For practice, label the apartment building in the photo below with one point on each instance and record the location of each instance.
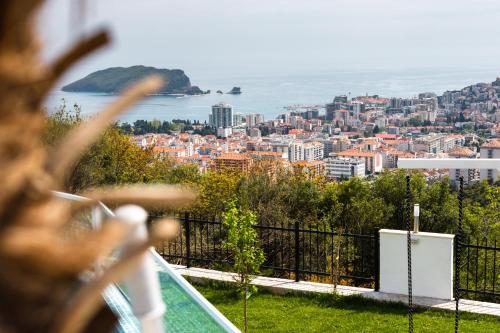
(469, 175)
(490, 149)
(221, 116)
(254, 119)
(313, 151)
(309, 168)
(344, 167)
(373, 160)
(296, 151)
(232, 162)
(305, 151)
(429, 144)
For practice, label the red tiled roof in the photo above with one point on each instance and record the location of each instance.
(233, 156)
(356, 153)
(492, 144)
(461, 151)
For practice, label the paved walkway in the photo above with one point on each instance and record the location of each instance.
(283, 286)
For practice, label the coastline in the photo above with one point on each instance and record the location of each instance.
(268, 95)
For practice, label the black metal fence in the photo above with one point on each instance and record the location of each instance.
(479, 270)
(299, 252)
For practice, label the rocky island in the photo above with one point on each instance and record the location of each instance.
(114, 80)
(235, 91)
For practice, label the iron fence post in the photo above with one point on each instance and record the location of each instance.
(458, 239)
(187, 229)
(408, 246)
(376, 235)
(297, 251)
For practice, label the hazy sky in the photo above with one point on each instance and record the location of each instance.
(258, 37)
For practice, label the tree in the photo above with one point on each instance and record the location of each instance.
(247, 256)
(113, 159)
(482, 213)
(186, 174)
(216, 191)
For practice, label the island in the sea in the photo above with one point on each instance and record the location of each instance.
(116, 79)
(235, 91)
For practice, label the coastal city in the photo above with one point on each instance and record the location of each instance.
(249, 166)
(349, 137)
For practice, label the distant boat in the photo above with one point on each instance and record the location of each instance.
(235, 91)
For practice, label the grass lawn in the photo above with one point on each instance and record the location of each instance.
(331, 313)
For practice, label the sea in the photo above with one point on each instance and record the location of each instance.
(270, 94)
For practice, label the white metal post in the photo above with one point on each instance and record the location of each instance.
(142, 284)
(416, 214)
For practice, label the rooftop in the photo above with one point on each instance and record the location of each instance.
(356, 153)
(232, 156)
(492, 144)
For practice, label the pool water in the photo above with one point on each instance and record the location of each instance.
(187, 310)
(183, 313)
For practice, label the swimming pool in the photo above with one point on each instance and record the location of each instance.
(187, 309)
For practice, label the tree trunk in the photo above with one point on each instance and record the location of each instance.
(245, 319)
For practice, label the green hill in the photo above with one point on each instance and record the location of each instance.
(115, 79)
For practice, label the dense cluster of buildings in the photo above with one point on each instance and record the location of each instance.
(349, 137)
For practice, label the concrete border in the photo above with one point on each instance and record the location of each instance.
(285, 286)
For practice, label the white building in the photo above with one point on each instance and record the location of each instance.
(430, 144)
(296, 151)
(381, 122)
(308, 151)
(357, 109)
(224, 132)
(254, 119)
(255, 133)
(490, 150)
(469, 175)
(238, 119)
(313, 151)
(344, 167)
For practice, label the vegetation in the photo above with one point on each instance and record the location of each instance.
(277, 196)
(247, 256)
(140, 127)
(333, 313)
(114, 159)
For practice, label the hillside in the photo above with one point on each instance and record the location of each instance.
(115, 79)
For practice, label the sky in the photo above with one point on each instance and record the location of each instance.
(278, 37)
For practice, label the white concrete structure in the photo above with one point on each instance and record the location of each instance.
(469, 175)
(308, 151)
(296, 151)
(255, 132)
(238, 119)
(254, 119)
(490, 150)
(344, 167)
(142, 283)
(285, 286)
(313, 151)
(448, 163)
(224, 132)
(432, 263)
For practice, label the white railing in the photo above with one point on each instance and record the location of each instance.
(449, 163)
(142, 283)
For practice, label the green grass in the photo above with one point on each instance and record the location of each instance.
(332, 313)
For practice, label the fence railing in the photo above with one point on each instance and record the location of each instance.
(294, 251)
(480, 270)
